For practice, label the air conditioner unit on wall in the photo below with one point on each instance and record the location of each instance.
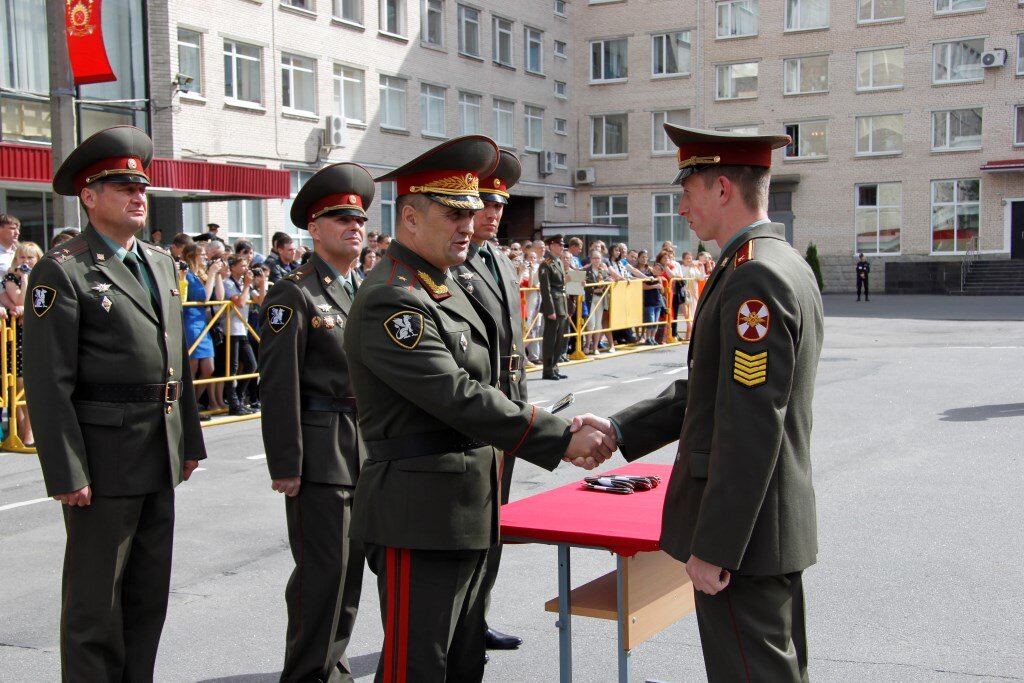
(335, 131)
(546, 162)
(585, 176)
(993, 58)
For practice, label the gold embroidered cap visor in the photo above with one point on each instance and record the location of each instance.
(344, 189)
(450, 173)
(701, 149)
(115, 155)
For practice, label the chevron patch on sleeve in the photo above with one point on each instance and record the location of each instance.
(750, 370)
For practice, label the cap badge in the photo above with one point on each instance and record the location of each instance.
(132, 165)
(497, 182)
(352, 199)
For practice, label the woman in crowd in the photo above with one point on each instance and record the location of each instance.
(529, 277)
(204, 283)
(238, 289)
(15, 286)
(654, 303)
(597, 271)
(367, 260)
(694, 275)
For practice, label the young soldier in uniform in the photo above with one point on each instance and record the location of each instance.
(739, 510)
(424, 363)
(110, 396)
(490, 278)
(309, 422)
(863, 271)
(553, 305)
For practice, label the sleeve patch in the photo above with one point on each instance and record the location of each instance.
(750, 370)
(42, 299)
(753, 320)
(278, 317)
(405, 328)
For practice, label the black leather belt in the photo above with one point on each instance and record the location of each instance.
(417, 445)
(328, 404)
(129, 393)
(510, 363)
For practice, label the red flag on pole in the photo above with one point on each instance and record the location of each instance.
(88, 55)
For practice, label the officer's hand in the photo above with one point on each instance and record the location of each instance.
(80, 498)
(552, 316)
(289, 486)
(589, 447)
(189, 466)
(3, 313)
(706, 577)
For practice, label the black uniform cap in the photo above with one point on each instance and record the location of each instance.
(344, 189)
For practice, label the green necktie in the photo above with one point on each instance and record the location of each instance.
(131, 261)
(488, 257)
(349, 287)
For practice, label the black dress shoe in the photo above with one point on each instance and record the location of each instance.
(501, 641)
(563, 358)
(561, 376)
(550, 375)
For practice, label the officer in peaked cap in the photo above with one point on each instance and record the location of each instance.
(554, 306)
(424, 362)
(110, 394)
(309, 421)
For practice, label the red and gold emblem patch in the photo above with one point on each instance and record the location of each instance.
(753, 320)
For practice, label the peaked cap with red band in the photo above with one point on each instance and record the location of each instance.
(344, 189)
(495, 187)
(115, 155)
(450, 173)
(699, 149)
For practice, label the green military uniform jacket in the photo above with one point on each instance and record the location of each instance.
(91, 322)
(421, 363)
(302, 354)
(551, 277)
(740, 494)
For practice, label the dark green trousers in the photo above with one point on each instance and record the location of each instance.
(117, 575)
(754, 630)
(324, 588)
(494, 554)
(553, 341)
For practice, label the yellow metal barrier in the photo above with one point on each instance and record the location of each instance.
(12, 398)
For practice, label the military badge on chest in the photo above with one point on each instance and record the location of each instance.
(278, 317)
(405, 328)
(42, 299)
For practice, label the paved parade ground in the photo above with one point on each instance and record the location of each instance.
(918, 467)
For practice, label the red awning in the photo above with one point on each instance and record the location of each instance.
(1004, 166)
(32, 164)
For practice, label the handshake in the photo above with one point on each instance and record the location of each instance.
(593, 441)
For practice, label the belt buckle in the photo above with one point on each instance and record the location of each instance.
(514, 363)
(172, 392)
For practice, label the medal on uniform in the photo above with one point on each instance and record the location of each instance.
(101, 257)
(328, 322)
(106, 304)
(317, 321)
(102, 287)
(462, 341)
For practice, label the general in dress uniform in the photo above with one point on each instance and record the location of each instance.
(309, 422)
(423, 356)
(553, 305)
(739, 510)
(110, 396)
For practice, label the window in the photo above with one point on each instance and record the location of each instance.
(956, 129)
(534, 50)
(349, 99)
(392, 17)
(879, 134)
(802, 15)
(192, 217)
(659, 139)
(609, 60)
(392, 102)
(387, 208)
(298, 84)
(879, 218)
(245, 218)
(1020, 54)
(670, 54)
(609, 134)
(561, 127)
(24, 66)
(741, 130)
(880, 69)
(562, 199)
(349, 10)
(561, 160)
(503, 41)
(432, 109)
(879, 10)
(561, 89)
(736, 81)
(190, 59)
(668, 224)
(806, 75)
(534, 120)
(469, 31)
(957, 61)
(469, 114)
(1018, 129)
(736, 18)
(504, 111)
(611, 210)
(432, 22)
(810, 140)
(950, 6)
(561, 49)
(300, 4)
(955, 214)
(560, 7)
(242, 72)
(297, 179)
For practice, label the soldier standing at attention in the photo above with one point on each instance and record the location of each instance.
(863, 271)
(424, 362)
(110, 396)
(553, 306)
(309, 422)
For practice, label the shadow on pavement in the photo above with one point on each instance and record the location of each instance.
(363, 665)
(982, 413)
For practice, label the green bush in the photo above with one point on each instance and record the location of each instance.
(812, 261)
(700, 248)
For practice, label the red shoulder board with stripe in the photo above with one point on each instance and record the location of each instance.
(745, 253)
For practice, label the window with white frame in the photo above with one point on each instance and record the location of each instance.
(24, 66)
(242, 72)
(880, 69)
(432, 109)
(810, 140)
(469, 31)
(741, 130)
(880, 10)
(533, 51)
(560, 7)
(192, 218)
(736, 18)
(349, 93)
(879, 218)
(881, 134)
(660, 141)
(561, 89)
(534, 127)
(561, 160)
(470, 107)
(609, 134)
(958, 60)
(432, 22)
(802, 15)
(610, 210)
(298, 84)
(1018, 128)
(609, 60)
(956, 213)
(502, 39)
(392, 17)
(388, 215)
(392, 102)
(667, 224)
(561, 199)
(190, 59)
(504, 122)
(736, 81)
(297, 178)
(561, 49)
(349, 10)
(299, 4)
(1020, 54)
(245, 221)
(951, 6)
(561, 127)
(805, 75)
(670, 54)
(956, 129)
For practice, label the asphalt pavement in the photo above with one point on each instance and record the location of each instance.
(919, 421)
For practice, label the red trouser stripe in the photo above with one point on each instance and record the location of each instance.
(389, 626)
(403, 615)
(396, 628)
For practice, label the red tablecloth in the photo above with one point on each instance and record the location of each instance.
(624, 524)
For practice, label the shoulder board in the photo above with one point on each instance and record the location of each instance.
(438, 292)
(401, 275)
(74, 246)
(153, 248)
(745, 253)
(301, 272)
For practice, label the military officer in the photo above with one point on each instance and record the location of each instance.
(490, 278)
(739, 510)
(553, 305)
(309, 422)
(424, 366)
(863, 272)
(110, 395)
